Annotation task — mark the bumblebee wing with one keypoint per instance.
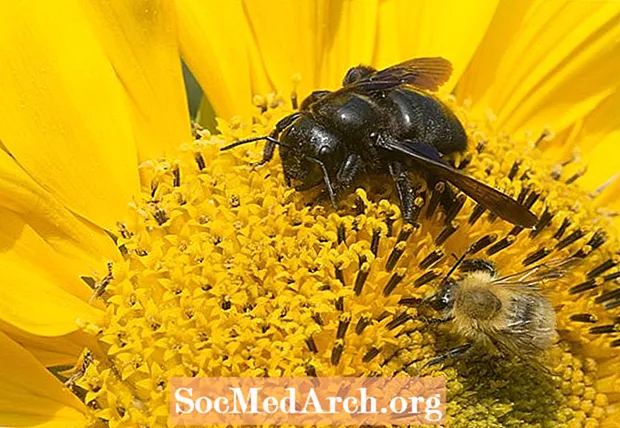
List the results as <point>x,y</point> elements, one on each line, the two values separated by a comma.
<point>494,200</point>
<point>521,346</point>
<point>553,269</point>
<point>423,73</point>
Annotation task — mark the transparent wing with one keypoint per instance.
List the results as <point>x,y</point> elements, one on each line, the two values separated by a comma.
<point>520,346</point>
<point>553,269</point>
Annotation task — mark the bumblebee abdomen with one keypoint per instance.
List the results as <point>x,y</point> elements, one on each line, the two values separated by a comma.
<point>531,318</point>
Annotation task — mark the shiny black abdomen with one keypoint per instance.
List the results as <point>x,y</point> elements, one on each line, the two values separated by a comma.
<point>420,117</point>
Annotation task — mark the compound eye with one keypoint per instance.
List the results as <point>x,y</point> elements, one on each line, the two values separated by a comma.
<point>324,151</point>
<point>445,297</point>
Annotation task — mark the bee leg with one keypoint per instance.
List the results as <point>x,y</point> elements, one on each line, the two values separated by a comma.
<point>455,352</point>
<point>347,172</point>
<point>406,191</point>
<point>435,321</point>
<point>316,199</point>
<point>344,177</point>
<point>272,139</point>
<point>447,198</point>
<point>328,183</point>
<point>307,186</point>
<point>268,151</point>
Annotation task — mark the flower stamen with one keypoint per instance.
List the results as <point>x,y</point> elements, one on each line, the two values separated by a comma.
<point>227,272</point>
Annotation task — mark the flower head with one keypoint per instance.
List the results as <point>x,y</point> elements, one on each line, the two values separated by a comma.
<point>218,269</point>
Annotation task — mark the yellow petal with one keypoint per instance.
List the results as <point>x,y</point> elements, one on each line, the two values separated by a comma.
<point>603,165</point>
<point>535,73</point>
<point>216,43</point>
<point>320,40</point>
<point>293,43</point>
<point>64,231</point>
<point>597,138</point>
<point>50,351</point>
<point>351,30</point>
<point>64,115</point>
<point>40,291</point>
<point>450,28</point>
<point>481,80</point>
<point>140,40</point>
<point>584,77</point>
<point>30,395</point>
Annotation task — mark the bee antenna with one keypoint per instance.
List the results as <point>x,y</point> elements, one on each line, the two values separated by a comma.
<point>251,140</point>
<point>454,267</point>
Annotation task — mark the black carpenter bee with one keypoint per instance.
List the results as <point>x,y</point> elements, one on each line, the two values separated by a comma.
<point>381,122</point>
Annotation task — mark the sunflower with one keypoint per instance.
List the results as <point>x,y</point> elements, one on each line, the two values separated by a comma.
<point>134,251</point>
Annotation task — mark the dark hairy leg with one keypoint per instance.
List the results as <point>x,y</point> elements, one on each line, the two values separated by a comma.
<point>456,352</point>
<point>272,139</point>
<point>344,178</point>
<point>404,188</point>
<point>348,171</point>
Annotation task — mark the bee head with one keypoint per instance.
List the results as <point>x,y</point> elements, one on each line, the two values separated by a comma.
<point>444,299</point>
<point>308,147</point>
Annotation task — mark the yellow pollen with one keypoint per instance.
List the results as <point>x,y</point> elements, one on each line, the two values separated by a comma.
<point>227,272</point>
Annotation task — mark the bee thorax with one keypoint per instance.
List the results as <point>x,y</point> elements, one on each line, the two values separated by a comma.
<point>478,304</point>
